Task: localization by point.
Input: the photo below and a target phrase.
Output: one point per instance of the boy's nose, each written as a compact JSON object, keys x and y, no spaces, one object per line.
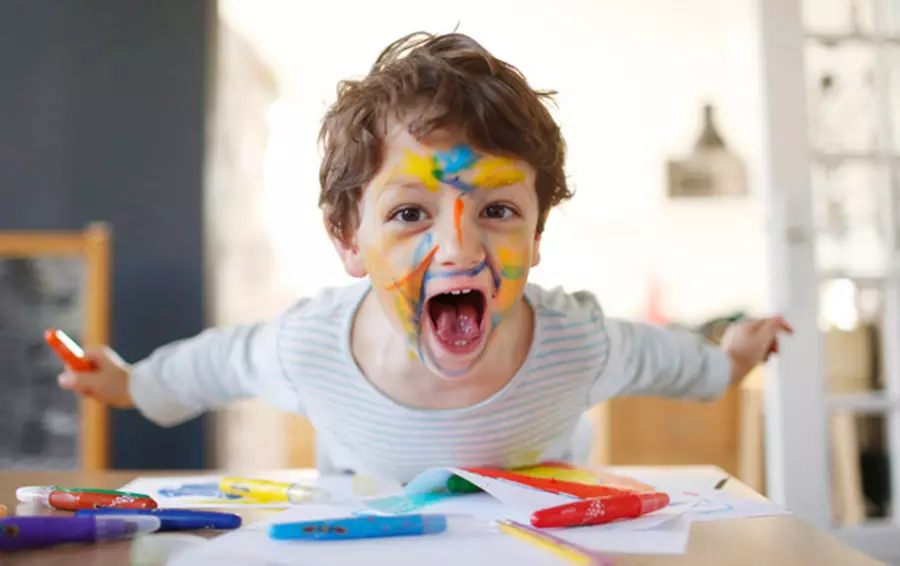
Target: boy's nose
{"x":459,"y":243}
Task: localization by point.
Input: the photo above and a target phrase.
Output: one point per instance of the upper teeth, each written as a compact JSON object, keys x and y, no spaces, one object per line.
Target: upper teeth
{"x":460,"y":291}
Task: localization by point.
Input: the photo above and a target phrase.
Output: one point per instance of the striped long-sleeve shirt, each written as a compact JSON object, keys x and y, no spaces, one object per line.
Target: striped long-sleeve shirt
{"x":301,"y":362}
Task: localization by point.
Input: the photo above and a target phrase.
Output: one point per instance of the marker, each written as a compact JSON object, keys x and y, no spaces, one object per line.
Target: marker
{"x":456,"y":484}
{"x":575,"y":489}
{"x":369,"y":526}
{"x":68,"y":350}
{"x":174,"y":519}
{"x":268,"y":491}
{"x":562,"y":548}
{"x":600,"y":510}
{"x":721,"y":483}
{"x":2,"y":510}
{"x":107,"y":491}
{"x":75,"y":500}
{"x":34,"y":532}
{"x":37,"y":494}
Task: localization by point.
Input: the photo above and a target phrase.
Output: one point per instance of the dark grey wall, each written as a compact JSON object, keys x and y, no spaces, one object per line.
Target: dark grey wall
{"x":102,"y":107}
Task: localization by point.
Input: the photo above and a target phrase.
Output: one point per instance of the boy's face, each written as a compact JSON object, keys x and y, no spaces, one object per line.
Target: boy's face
{"x":447,"y":235}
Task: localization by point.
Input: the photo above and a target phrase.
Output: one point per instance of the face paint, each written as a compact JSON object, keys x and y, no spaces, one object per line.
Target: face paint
{"x":496,"y":172}
{"x":458,"y":208}
{"x":459,"y":323}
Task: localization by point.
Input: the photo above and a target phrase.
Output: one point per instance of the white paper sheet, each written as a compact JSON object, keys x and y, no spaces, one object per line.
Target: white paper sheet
{"x":720,"y":505}
{"x":251,"y":545}
{"x":712,"y":504}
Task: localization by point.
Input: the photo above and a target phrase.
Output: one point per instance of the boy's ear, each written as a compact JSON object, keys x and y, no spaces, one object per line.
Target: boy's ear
{"x":536,"y":250}
{"x":348,"y":251}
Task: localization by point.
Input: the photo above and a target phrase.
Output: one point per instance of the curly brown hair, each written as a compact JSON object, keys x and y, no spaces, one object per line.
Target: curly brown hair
{"x":464,"y":88}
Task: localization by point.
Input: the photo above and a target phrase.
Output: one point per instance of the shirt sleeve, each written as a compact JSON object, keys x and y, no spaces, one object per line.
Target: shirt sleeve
{"x":181,"y":380}
{"x":656,"y":361}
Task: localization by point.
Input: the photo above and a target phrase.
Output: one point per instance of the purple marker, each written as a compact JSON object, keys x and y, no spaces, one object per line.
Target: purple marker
{"x":35,"y":532}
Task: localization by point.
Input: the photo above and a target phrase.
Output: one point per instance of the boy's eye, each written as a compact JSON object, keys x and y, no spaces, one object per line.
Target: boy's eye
{"x":409,"y":215}
{"x":498,"y":212}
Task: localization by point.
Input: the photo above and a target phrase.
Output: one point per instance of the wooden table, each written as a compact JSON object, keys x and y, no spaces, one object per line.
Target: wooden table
{"x":768,"y":541}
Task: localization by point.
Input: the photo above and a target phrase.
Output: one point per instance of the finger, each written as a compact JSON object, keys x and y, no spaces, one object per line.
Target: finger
{"x":67,"y":380}
{"x":755,"y":324}
{"x":783,"y":325}
{"x":96,"y":354}
{"x":75,"y":381}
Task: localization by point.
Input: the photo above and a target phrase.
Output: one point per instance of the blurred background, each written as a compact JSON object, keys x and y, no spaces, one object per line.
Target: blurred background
{"x":171,"y":147}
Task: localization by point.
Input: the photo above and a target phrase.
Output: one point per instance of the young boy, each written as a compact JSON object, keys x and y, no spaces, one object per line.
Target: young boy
{"x":439,"y":170}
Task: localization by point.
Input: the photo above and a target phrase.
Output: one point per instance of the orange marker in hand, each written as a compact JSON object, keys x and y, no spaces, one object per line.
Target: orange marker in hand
{"x":68,"y":350}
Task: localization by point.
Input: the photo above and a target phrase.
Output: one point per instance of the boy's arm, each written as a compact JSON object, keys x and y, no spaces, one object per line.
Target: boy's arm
{"x":182,"y":380}
{"x":652,"y":360}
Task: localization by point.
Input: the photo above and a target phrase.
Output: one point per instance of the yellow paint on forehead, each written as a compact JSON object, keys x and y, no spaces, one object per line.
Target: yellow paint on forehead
{"x":496,"y":172}
{"x":422,"y":168}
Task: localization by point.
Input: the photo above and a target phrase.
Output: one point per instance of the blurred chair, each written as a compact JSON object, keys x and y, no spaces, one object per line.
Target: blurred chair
{"x":52,"y":279}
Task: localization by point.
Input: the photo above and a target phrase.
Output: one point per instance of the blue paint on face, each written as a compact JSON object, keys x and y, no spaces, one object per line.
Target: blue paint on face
{"x":454,"y":161}
{"x":423,"y":248}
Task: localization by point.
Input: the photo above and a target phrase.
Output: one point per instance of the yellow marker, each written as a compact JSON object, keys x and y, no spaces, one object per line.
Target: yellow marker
{"x":577,"y":475}
{"x":266,"y":491}
{"x":556,"y":545}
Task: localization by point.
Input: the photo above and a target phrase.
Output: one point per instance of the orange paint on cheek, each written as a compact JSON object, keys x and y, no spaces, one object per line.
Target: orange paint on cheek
{"x":415,"y":276}
{"x":457,"y":218}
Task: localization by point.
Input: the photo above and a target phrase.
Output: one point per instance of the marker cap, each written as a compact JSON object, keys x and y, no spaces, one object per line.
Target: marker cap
{"x":35,"y":495}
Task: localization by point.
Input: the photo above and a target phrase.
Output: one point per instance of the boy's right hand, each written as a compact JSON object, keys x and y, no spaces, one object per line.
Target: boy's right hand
{"x":107,"y":384}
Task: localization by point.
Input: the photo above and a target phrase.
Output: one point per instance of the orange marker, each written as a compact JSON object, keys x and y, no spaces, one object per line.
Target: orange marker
{"x":69,"y":352}
{"x":2,"y":510}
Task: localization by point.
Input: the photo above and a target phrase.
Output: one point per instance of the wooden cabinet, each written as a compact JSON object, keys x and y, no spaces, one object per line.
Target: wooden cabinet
{"x":655,"y":431}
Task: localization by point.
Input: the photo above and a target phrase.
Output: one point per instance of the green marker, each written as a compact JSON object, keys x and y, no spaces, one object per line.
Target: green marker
{"x":104,"y":491}
{"x":457,"y":484}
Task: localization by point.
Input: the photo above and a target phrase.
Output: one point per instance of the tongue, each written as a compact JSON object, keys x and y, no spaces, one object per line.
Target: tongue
{"x":457,"y":322}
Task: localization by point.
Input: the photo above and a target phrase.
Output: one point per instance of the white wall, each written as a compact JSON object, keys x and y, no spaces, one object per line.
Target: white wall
{"x":632,"y":77}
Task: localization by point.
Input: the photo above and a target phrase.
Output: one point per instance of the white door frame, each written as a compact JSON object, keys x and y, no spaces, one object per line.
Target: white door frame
{"x":795,"y":416}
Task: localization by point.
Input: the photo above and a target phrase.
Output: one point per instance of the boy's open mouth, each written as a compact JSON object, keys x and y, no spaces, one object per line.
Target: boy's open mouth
{"x":457,"y":318}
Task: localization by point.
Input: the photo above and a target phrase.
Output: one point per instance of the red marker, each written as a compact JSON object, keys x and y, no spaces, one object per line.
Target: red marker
{"x":600,"y":510}
{"x":575,"y":489}
{"x":76,"y":500}
{"x":68,"y":350}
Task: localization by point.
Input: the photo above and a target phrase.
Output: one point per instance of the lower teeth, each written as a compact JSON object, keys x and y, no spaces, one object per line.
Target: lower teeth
{"x":460,"y":342}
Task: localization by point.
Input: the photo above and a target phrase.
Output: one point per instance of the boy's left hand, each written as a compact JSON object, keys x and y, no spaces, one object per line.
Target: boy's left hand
{"x":751,"y":342}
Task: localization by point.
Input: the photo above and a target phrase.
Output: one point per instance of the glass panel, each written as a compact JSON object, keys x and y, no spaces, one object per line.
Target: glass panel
{"x":860,"y":468}
{"x":845,"y":207}
{"x":838,"y":16}
{"x":850,"y":315}
{"x":893,"y":62}
{"x":892,"y":17}
{"x":841,"y":97}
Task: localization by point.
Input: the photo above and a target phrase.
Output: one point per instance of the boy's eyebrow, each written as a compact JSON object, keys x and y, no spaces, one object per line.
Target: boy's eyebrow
{"x":403,"y":182}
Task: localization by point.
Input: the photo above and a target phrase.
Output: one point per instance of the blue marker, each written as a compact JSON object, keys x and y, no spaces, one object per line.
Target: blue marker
{"x":176,"y":519}
{"x":372,"y":526}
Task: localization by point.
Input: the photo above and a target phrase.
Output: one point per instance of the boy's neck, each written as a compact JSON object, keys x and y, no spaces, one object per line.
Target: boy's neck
{"x":382,"y":356}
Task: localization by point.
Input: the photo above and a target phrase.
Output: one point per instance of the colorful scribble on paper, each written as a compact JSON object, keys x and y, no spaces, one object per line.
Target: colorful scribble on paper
{"x":202,"y":493}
